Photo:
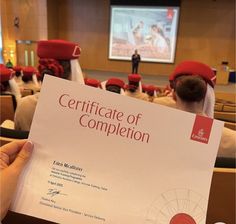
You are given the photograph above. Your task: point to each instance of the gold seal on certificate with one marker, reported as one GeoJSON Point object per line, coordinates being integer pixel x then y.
{"type": "Point", "coordinates": [102, 157]}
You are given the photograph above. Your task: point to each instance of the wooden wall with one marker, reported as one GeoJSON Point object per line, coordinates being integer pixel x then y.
{"type": "Point", "coordinates": [206, 30]}
{"type": "Point", "coordinates": [206, 33]}
{"type": "Point", "coordinates": [32, 16]}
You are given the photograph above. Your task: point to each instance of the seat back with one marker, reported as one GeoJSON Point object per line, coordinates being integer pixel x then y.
{"type": "Point", "coordinates": [27, 92]}
{"type": "Point", "coordinates": [7, 107]}
{"type": "Point", "coordinates": [225, 116]}
{"type": "Point", "coordinates": [230, 97]}
{"type": "Point", "coordinates": [8, 135]}
{"type": "Point", "coordinates": [225, 109]}
{"type": "Point", "coordinates": [221, 206]}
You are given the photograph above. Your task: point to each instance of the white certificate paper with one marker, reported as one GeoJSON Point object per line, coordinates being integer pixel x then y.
{"type": "Point", "coordinates": [101, 157]}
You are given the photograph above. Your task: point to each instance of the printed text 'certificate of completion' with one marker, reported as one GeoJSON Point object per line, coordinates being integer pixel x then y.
{"type": "Point", "coordinates": [101, 157]}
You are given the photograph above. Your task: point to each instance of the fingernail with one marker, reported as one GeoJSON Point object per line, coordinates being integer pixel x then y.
{"type": "Point", "coordinates": [28, 147]}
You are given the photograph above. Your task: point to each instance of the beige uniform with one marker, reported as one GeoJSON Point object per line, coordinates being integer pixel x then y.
{"type": "Point", "coordinates": [18, 80]}
{"type": "Point", "coordinates": [151, 98]}
{"type": "Point", "coordinates": [138, 95]}
{"type": "Point", "coordinates": [30, 85]}
{"type": "Point", "coordinates": [25, 112]}
{"type": "Point", "coordinates": [166, 101]}
{"type": "Point", "coordinates": [227, 146]}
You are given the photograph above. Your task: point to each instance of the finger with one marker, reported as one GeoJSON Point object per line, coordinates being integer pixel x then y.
{"type": "Point", "coordinates": [4, 160]}
{"type": "Point", "coordinates": [3, 165]}
{"type": "Point", "coordinates": [12, 147]}
{"type": "Point", "coordinates": [4, 157]}
{"type": "Point", "coordinates": [23, 156]}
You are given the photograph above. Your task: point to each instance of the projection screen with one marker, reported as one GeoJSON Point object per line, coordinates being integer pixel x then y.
{"type": "Point", "coordinates": [150, 30]}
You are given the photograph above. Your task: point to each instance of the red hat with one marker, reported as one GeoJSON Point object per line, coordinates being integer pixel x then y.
{"type": "Point", "coordinates": [17, 68]}
{"type": "Point", "coordinates": [29, 71]}
{"type": "Point", "coordinates": [93, 83]}
{"type": "Point", "coordinates": [126, 87]}
{"type": "Point", "coordinates": [151, 89]}
{"type": "Point", "coordinates": [134, 77]}
{"type": "Point", "coordinates": [194, 68]}
{"type": "Point", "coordinates": [2, 66]}
{"type": "Point", "coordinates": [5, 74]}
{"type": "Point", "coordinates": [58, 49]}
{"type": "Point", "coordinates": [115, 82]}
{"type": "Point", "coordinates": [37, 73]}
{"type": "Point", "coordinates": [171, 77]}
{"type": "Point", "coordinates": [144, 88]}
{"type": "Point", "coordinates": [51, 64]}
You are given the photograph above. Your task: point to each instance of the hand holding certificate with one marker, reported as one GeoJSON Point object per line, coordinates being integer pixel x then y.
{"type": "Point", "coordinates": [13, 159]}
{"type": "Point", "coordinates": [105, 158]}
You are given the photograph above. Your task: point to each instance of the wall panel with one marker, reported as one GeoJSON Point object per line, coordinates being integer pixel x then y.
{"type": "Point", "coordinates": [206, 33]}
{"type": "Point", "coordinates": [32, 16]}
{"type": "Point", "coordinates": [206, 30]}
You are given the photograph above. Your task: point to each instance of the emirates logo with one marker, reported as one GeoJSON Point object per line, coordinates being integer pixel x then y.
{"type": "Point", "coordinates": [200, 133]}
{"type": "Point", "coordinates": [201, 129]}
{"type": "Point", "coordinates": [199, 136]}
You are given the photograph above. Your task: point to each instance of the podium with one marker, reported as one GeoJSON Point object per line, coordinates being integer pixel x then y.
{"type": "Point", "coordinates": [222, 77]}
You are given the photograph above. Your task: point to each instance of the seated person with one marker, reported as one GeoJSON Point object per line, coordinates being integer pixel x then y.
{"type": "Point", "coordinates": [190, 90]}
{"type": "Point", "coordinates": [65, 54]}
{"type": "Point", "coordinates": [58, 58]}
{"type": "Point", "coordinates": [165, 98]}
{"type": "Point", "coordinates": [200, 69]}
{"type": "Point", "coordinates": [152, 92]}
{"type": "Point", "coordinates": [144, 88]}
{"type": "Point", "coordinates": [18, 74]}
{"type": "Point", "coordinates": [8, 83]}
{"type": "Point", "coordinates": [30, 79]}
{"type": "Point", "coordinates": [93, 82]}
{"type": "Point", "coordinates": [192, 68]}
{"type": "Point", "coordinates": [133, 89]}
{"type": "Point", "coordinates": [167, 90]}
{"type": "Point", "coordinates": [115, 85]}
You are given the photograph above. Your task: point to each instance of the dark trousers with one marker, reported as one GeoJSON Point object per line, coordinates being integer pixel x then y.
{"type": "Point", "coordinates": [134, 68]}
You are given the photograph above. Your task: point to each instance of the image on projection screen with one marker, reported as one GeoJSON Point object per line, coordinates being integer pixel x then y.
{"type": "Point", "coordinates": [152, 31]}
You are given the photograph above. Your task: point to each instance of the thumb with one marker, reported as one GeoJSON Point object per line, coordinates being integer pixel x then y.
{"type": "Point", "coordinates": [23, 156]}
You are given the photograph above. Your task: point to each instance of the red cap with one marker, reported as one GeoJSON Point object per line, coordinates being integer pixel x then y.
{"type": "Point", "coordinates": [144, 88]}
{"type": "Point", "coordinates": [2, 66]}
{"type": "Point", "coordinates": [151, 89]}
{"type": "Point", "coordinates": [115, 82]}
{"type": "Point", "coordinates": [37, 73]}
{"type": "Point", "coordinates": [29, 71]}
{"type": "Point", "coordinates": [5, 74]}
{"type": "Point", "coordinates": [93, 83]}
{"type": "Point", "coordinates": [194, 68]}
{"type": "Point", "coordinates": [126, 87]}
{"type": "Point", "coordinates": [17, 68]}
{"type": "Point", "coordinates": [171, 77]}
{"type": "Point", "coordinates": [58, 49]}
{"type": "Point", "coordinates": [134, 77]}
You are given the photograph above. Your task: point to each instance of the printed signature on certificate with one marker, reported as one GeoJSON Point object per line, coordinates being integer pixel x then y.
{"type": "Point", "coordinates": [53, 191]}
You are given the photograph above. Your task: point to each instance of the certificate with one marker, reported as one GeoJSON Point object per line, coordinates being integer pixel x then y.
{"type": "Point", "coordinates": [102, 157]}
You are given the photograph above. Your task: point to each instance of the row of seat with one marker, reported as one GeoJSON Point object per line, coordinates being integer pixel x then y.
{"type": "Point", "coordinates": [225, 109]}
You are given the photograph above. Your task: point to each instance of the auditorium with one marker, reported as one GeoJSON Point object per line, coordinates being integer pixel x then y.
{"type": "Point", "coordinates": [140, 96]}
